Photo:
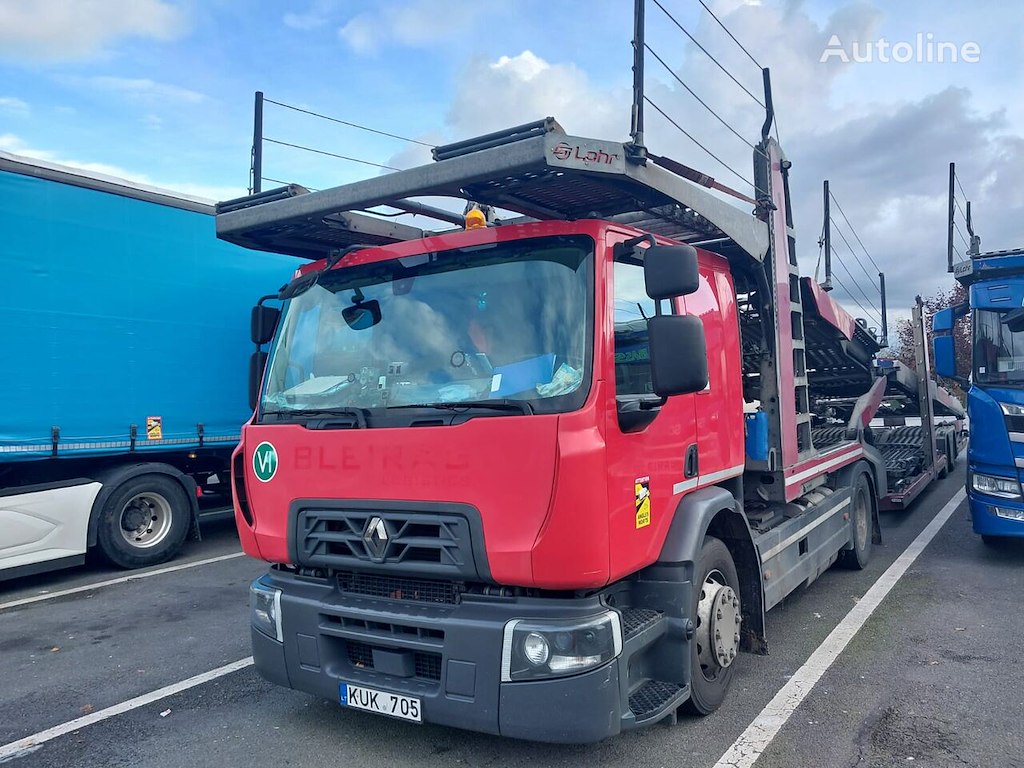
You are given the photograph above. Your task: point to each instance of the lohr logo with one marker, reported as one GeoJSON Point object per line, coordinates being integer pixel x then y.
{"type": "Point", "coordinates": [562, 151]}
{"type": "Point", "coordinates": [264, 462]}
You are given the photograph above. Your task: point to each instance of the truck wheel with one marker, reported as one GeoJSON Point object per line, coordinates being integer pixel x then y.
{"type": "Point", "coordinates": [144, 521]}
{"type": "Point", "coordinates": [716, 638]}
{"type": "Point", "coordinates": [862, 520]}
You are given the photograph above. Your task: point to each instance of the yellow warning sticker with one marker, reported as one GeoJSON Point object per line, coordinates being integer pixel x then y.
{"type": "Point", "coordinates": [154, 428]}
{"type": "Point", "coordinates": [642, 491]}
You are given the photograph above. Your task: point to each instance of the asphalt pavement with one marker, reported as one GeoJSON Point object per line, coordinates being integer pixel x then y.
{"type": "Point", "coordinates": [932, 678]}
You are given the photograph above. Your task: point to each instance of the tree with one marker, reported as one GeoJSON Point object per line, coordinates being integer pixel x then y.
{"type": "Point", "coordinates": [903, 350]}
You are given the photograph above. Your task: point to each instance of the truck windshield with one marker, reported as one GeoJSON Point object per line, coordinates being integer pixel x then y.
{"type": "Point", "coordinates": [998, 351]}
{"type": "Point", "coordinates": [503, 324]}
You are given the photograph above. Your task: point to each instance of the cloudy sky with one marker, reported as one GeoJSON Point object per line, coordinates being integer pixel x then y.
{"type": "Point", "coordinates": [161, 91]}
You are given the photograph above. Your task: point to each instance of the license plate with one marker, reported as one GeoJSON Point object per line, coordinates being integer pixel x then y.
{"type": "Point", "coordinates": [381, 702]}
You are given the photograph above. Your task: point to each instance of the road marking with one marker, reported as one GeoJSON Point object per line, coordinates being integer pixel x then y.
{"type": "Point", "coordinates": [119, 580]}
{"type": "Point", "coordinates": [31, 743]}
{"type": "Point", "coordinates": [746, 750]}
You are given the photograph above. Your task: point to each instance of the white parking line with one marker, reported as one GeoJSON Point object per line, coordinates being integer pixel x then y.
{"type": "Point", "coordinates": [31, 743]}
{"type": "Point", "coordinates": [119, 580]}
{"type": "Point", "coordinates": [746, 750]}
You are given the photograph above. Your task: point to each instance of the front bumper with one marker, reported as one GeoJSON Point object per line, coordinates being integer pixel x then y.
{"type": "Point", "coordinates": [447, 655]}
{"type": "Point", "coordinates": [986, 520]}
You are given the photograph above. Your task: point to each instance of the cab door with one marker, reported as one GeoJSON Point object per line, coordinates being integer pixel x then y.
{"type": "Point", "coordinates": [651, 449]}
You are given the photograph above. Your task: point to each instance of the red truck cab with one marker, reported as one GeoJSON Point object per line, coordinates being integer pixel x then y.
{"type": "Point", "coordinates": [556, 445]}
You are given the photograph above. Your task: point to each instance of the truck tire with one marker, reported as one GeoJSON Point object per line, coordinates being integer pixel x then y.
{"type": "Point", "coordinates": [862, 521]}
{"type": "Point", "coordinates": [144, 521]}
{"type": "Point", "coordinates": [716, 637]}
{"type": "Point", "coordinates": [947, 453]}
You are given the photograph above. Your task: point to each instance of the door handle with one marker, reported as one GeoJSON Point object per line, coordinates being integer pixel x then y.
{"type": "Point", "coordinates": [691, 466]}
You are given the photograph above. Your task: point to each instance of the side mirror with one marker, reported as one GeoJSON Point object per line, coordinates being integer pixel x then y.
{"type": "Point", "coordinates": [361, 316]}
{"type": "Point", "coordinates": [943, 345]}
{"type": "Point", "coordinates": [1014, 320]}
{"type": "Point", "coordinates": [942, 320]}
{"type": "Point", "coordinates": [679, 356]}
{"type": "Point", "coordinates": [263, 323]}
{"type": "Point", "coordinates": [945, 359]}
{"type": "Point", "coordinates": [257, 362]}
{"type": "Point", "coordinates": [670, 271]}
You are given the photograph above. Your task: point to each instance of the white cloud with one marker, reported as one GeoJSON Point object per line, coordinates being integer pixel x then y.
{"type": "Point", "coordinates": [318, 15]}
{"type": "Point", "coordinates": [58, 30]}
{"type": "Point", "coordinates": [14, 106]}
{"type": "Point", "coordinates": [525, 87]}
{"type": "Point", "coordinates": [419, 23]}
{"type": "Point", "coordinates": [11, 143]}
{"type": "Point", "coordinates": [361, 33]}
{"type": "Point", "coordinates": [143, 89]}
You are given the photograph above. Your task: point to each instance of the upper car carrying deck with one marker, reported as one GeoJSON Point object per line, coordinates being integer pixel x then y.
{"type": "Point", "coordinates": [535, 169]}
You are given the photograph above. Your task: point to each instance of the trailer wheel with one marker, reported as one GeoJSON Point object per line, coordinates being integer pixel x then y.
{"type": "Point", "coordinates": [947, 453]}
{"type": "Point", "coordinates": [862, 519]}
{"type": "Point", "coordinates": [716, 638]}
{"type": "Point", "coordinates": [144, 521]}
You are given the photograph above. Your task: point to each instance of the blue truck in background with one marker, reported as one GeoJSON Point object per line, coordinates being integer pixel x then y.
{"type": "Point", "coordinates": [995, 397]}
{"type": "Point", "coordinates": [127, 337]}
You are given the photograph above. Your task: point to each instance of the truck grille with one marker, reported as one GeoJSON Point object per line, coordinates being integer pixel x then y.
{"type": "Point", "coordinates": [416, 542]}
{"type": "Point", "coordinates": [427, 665]}
{"type": "Point", "coordinates": [399, 588]}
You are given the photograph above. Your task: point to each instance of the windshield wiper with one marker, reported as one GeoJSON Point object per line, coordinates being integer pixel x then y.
{"type": "Point", "coordinates": [520, 406]}
{"type": "Point", "coordinates": [358, 414]}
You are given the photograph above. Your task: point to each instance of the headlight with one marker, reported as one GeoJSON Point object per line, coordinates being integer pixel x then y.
{"type": "Point", "coordinates": [265, 610]}
{"type": "Point", "coordinates": [1012, 410]}
{"type": "Point", "coordinates": [996, 486]}
{"type": "Point", "coordinates": [539, 649]}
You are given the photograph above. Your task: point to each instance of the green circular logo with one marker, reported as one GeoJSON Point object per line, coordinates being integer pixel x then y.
{"type": "Point", "coordinates": [264, 462]}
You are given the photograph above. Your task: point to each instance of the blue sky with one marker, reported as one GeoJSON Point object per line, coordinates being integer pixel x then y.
{"type": "Point", "coordinates": [162, 90]}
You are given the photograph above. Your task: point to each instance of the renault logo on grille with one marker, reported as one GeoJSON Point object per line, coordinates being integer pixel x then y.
{"type": "Point", "coordinates": [375, 536]}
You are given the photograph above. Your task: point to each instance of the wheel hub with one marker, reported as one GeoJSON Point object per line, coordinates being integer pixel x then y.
{"type": "Point", "coordinates": [135, 517]}
{"type": "Point", "coordinates": [146, 520]}
{"type": "Point", "coordinates": [718, 624]}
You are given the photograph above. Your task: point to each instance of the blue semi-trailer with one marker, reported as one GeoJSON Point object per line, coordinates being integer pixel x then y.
{"type": "Point", "coordinates": [127, 343]}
